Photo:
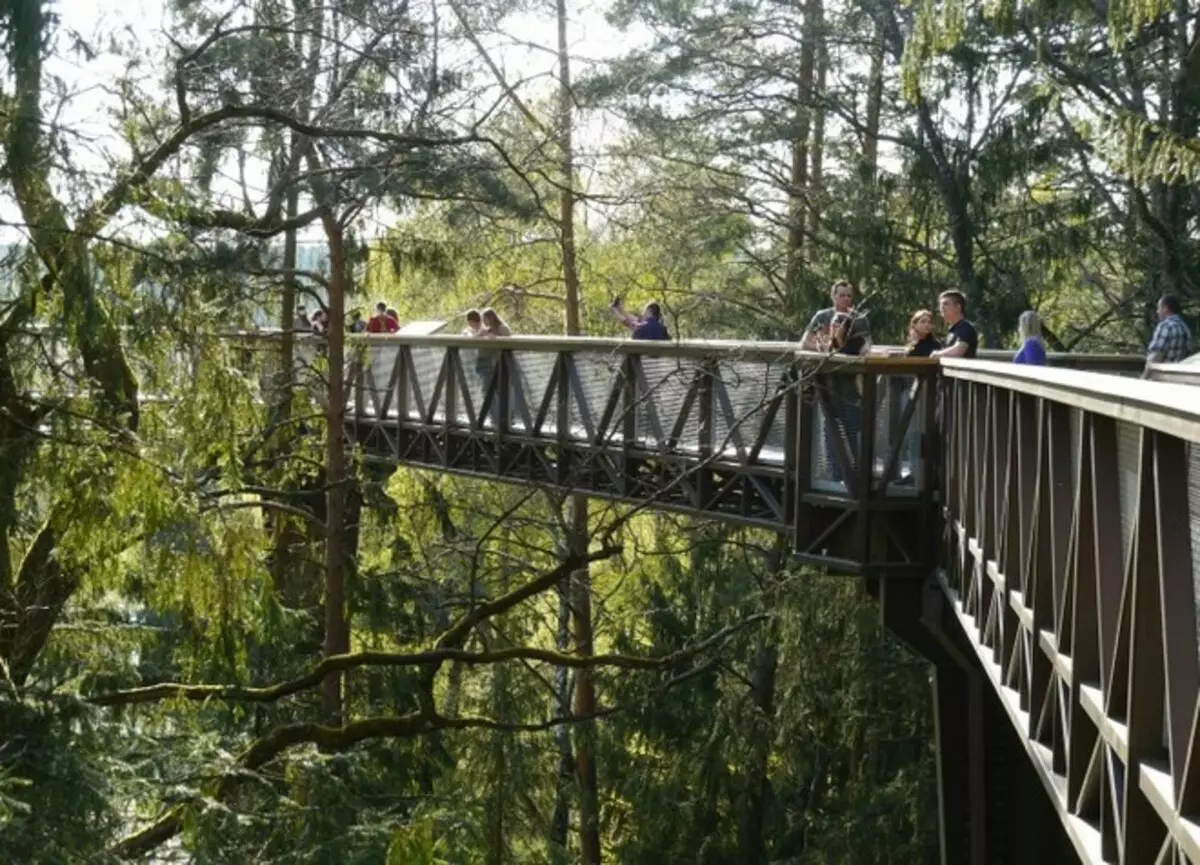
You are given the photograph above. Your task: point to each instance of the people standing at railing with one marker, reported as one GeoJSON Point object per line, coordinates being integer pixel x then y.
{"type": "Point", "coordinates": [921, 340]}
{"type": "Point", "coordinates": [648, 326]}
{"type": "Point", "coordinates": [357, 324]}
{"type": "Point", "coordinates": [1033, 349]}
{"type": "Point", "coordinates": [381, 321]}
{"type": "Point", "coordinates": [921, 343]}
{"type": "Point", "coordinates": [1172, 340]}
{"type": "Point", "coordinates": [301, 323]}
{"type": "Point", "coordinates": [320, 322]}
{"type": "Point", "coordinates": [474, 326]}
{"type": "Point", "coordinates": [493, 324]}
{"type": "Point", "coordinates": [841, 329]}
{"type": "Point", "coordinates": [963, 338]}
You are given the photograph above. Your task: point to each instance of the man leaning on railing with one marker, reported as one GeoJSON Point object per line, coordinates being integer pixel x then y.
{"type": "Point", "coordinates": [1172, 340]}
{"type": "Point", "coordinates": [841, 329]}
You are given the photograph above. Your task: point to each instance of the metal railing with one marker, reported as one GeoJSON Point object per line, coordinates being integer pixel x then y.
{"type": "Point", "coordinates": [1072, 509]}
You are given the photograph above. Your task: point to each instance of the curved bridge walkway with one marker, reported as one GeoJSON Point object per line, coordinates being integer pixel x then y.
{"type": "Point", "coordinates": [1034, 533]}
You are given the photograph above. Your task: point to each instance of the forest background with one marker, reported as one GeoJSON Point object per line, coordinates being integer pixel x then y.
{"type": "Point", "coordinates": [223, 641]}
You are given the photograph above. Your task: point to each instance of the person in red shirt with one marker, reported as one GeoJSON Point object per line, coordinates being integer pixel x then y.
{"type": "Point", "coordinates": [379, 321]}
{"type": "Point", "coordinates": [393, 320]}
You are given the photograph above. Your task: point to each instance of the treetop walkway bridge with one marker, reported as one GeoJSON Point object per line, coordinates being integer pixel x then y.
{"type": "Point", "coordinates": [1033, 532]}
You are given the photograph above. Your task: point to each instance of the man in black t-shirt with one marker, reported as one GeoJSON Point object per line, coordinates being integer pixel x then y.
{"type": "Point", "coordinates": [962, 339]}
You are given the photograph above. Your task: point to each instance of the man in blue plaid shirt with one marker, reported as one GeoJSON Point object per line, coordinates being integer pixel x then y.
{"type": "Point", "coordinates": [1172, 340]}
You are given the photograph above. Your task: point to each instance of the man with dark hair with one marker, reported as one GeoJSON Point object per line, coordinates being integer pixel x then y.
{"type": "Point", "coordinates": [378, 322]}
{"type": "Point", "coordinates": [840, 328]}
{"type": "Point", "coordinates": [648, 326]}
{"type": "Point", "coordinates": [962, 339]}
{"type": "Point", "coordinates": [1172, 340]}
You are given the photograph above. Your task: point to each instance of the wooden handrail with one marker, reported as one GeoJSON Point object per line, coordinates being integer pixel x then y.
{"type": "Point", "coordinates": [1169, 408]}
{"type": "Point", "coordinates": [750, 350]}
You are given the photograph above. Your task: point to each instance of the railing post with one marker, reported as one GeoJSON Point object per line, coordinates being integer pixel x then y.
{"type": "Point", "coordinates": [401, 376]}
{"type": "Point", "coordinates": [865, 463]}
{"type": "Point", "coordinates": [932, 452]}
{"type": "Point", "coordinates": [629, 408]}
{"type": "Point", "coordinates": [562, 418]}
{"type": "Point", "coordinates": [450, 410]}
{"type": "Point", "coordinates": [704, 398]}
{"type": "Point", "coordinates": [795, 462]}
{"type": "Point", "coordinates": [503, 397]}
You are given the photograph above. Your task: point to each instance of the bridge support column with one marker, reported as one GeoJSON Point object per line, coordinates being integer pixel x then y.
{"type": "Point", "coordinates": [992, 807]}
{"type": "Point", "coordinates": [959, 731]}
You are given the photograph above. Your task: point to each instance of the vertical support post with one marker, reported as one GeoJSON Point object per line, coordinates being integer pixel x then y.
{"type": "Point", "coordinates": [503, 407]}
{"type": "Point", "coordinates": [450, 405]}
{"type": "Point", "coordinates": [791, 404]}
{"type": "Point", "coordinates": [629, 408]}
{"type": "Point", "coordinates": [562, 418]}
{"type": "Point", "coordinates": [800, 447]}
{"type": "Point", "coordinates": [704, 475]}
{"type": "Point", "coordinates": [932, 450]}
{"type": "Point", "coordinates": [864, 460]}
{"type": "Point", "coordinates": [402, 372]}
{"type": "Point", "coordinates": [958, 729]}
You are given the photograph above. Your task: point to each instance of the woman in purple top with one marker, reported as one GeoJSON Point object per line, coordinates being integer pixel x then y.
{"type": "Point", "coordinates": [1033, 350]}
{"type": "Point", "coordinates": [648, 326]}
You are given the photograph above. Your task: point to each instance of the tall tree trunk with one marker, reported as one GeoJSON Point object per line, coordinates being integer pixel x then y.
{"type": "Point", "coordinates": [337, 628]}
{"type": "Point", "coordinates": [870, 158]}
{"type": "Point", "coordinates": [751, 846]}
{"type": "Point", "coordinates": [816, 181]}
{"type": "Point", "coordinates": [499, 793]}
{"type": "Point", "coordinates": [288, 535]}
{"type": "Point", "coordinates": [581, 586]}
{"type": "Point", "coordinates": [564, 781]}
{"type": "Point", "coordinates": [754, 804]}
{"type": "Point", "coordinates": [798, 195]}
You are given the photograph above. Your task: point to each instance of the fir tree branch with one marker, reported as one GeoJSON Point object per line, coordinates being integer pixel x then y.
{"type": "Point", "coordinates": [328, 738]}
{"type": "Point", "coordinates": [339, 663]}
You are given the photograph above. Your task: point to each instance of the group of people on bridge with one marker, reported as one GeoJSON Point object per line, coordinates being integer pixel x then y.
{"type": "Point", "coordinates": [844, 330]}
{"type": "Point", "coordinates": [840, 328]}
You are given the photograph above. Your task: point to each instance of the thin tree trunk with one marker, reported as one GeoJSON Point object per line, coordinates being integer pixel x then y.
{"type": "Point", "coordinates": [560, 824]}
{"type": "Point", "coordinates": [816, 181]}
{"type": "Point", "coordinates": [754, 806]}
{"type": "Point", "coordinates": [287, 535]}
{"type": "Point", "coordinates": [751, 844]}
{"type": "Point", "coordinates": [337, 628]}
{"type": "Point", "coordinates": [499, 792]}
{"type": "Point", "coordinates": [581, 588]}
{"type": "Point", "coordinates": [870, 160]}
{"type": "Point", "coordinates": [799, 178]}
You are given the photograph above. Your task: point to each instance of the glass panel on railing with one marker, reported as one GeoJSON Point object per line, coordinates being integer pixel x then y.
{"type": "Point", "coordinates": [593, 379]}
{"type": "Point", "coordinates": [742, 394]}
{"type": "Point", "coordinates": [477, 371]}
{"type": "Point", "coordinates": [661, 394]}
{"type": "Point", "coordinates": [427, 363]}
{"type": "Point", "coordinates": [899, 421]}
{"type": "Point", "coordinates": [379, 362]}
{"type": "Point", "coordinates": [837, 422]}
{"type": "Point", "coordinates": [534, 371]}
